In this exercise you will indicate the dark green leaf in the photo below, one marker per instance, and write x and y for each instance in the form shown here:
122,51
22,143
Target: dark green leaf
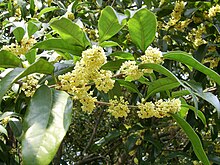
70,32
130,143
16,127
108,24
161,84
193,137
3,130
58,44
142,28
45,124
113,65
9,60
129,85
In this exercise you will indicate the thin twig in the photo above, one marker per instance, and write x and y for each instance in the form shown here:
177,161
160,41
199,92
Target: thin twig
93,133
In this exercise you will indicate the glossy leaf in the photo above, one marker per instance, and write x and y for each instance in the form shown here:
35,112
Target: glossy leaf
113,65
3,130
46,10
9,60
32,27
161,84
108,24
58,44
189,60
31,55
142,28
109,44
193,137
19,33
123,55
16,126
41,66
45,124
200,114
70,32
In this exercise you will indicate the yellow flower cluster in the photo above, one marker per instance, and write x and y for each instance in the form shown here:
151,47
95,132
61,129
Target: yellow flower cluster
213,11
181,25
118,107
104,82
152,55
196,35
86,70
158,109
176,14
213,61
30,84
129,68
22,48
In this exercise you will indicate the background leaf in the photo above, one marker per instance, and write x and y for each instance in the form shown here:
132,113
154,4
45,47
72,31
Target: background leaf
45,124
19,33
142,28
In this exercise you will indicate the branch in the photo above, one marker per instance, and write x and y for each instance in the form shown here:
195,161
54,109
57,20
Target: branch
93,133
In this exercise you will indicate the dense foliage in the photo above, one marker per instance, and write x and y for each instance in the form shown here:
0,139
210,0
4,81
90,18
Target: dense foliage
109,82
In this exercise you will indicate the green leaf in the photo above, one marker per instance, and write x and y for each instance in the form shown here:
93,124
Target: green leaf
46,10
9,60
189,60
70,32
3,130
161,84
32,7
16,127
123,55
19,33
109,44
45,124
166,72
180,93
142,28
33,26
113,65
193,137
31,55
129,85
108,24
200,114
41,66
58,44
130,143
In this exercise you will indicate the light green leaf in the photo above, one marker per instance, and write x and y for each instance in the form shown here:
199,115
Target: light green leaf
9,60
45,124
123,55
3,130
58,44
46,10
108,24
189,60
70,32
41,66
161,84
142,28
193,137
33,26
109,44
19,33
